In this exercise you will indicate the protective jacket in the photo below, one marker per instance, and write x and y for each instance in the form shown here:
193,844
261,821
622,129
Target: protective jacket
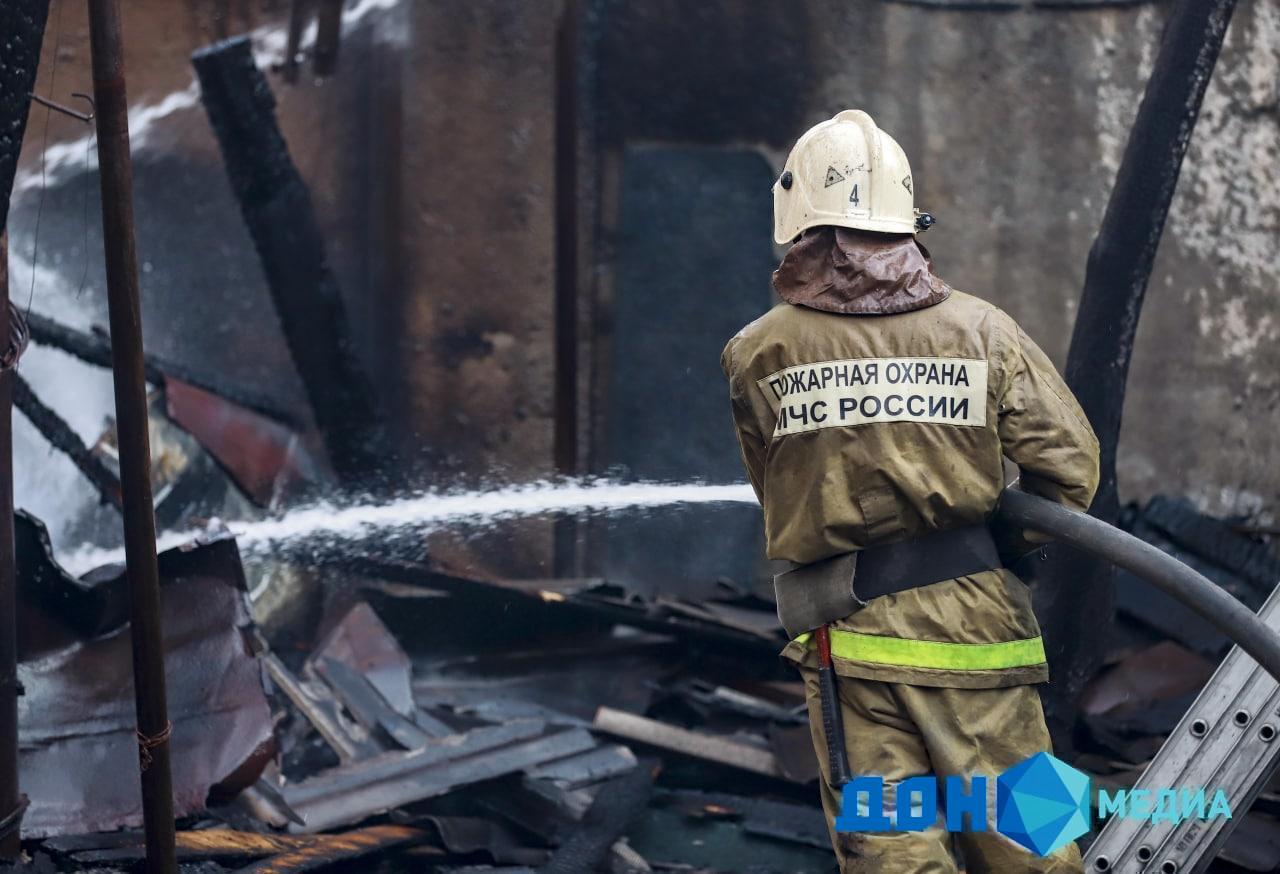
868,415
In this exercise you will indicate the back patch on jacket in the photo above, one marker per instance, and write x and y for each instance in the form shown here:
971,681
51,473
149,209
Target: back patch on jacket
866,391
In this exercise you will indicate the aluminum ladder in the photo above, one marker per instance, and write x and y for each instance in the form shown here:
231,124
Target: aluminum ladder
1227,741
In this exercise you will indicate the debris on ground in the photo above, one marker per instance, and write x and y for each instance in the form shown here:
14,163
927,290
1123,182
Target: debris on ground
77,714
592,729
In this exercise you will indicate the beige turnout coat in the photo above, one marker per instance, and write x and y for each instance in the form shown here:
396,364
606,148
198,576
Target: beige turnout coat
859,430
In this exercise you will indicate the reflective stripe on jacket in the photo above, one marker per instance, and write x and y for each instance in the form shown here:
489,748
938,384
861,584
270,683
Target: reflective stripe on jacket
858,430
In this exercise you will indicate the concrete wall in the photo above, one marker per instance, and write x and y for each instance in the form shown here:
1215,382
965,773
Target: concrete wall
1015,122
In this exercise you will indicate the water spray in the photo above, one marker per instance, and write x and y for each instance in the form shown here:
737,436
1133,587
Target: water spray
334,523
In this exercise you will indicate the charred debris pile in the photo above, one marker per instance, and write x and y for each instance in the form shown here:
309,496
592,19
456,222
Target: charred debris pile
444,722
557,727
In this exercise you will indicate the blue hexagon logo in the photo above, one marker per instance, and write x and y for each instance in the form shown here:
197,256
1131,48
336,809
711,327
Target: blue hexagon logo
1042,803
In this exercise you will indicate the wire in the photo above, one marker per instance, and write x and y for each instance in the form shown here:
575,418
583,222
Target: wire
84,217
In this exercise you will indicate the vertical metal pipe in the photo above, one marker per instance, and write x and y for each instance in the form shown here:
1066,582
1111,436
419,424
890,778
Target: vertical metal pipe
566,290
10,797
106,47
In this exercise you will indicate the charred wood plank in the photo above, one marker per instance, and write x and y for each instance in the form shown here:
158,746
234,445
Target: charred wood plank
575,772
1076,593
64,439
277,208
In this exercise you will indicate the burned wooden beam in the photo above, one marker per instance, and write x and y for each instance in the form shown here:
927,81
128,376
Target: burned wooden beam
1075,593
12,341
64,439
276,206
1124,251
93,348
124,315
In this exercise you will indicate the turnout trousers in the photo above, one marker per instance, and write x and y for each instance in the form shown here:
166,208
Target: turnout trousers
896,731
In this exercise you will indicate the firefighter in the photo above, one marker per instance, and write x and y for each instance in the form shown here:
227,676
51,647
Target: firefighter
874,408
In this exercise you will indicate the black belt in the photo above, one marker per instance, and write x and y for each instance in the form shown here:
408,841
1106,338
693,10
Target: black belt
815,594
922,561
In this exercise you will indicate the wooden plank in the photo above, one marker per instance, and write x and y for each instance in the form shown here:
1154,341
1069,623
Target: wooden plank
690,743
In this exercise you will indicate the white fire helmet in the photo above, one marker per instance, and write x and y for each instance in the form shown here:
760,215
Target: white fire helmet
845,172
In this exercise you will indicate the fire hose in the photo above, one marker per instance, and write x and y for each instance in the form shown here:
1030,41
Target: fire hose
1021,510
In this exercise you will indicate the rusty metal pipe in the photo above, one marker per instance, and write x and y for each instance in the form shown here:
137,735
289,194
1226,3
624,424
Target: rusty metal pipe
128,367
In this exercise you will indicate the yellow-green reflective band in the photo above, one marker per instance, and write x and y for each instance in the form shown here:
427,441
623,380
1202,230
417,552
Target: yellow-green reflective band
933,654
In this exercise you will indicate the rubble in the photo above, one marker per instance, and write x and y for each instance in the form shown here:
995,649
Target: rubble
78,710
419,752
396,738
